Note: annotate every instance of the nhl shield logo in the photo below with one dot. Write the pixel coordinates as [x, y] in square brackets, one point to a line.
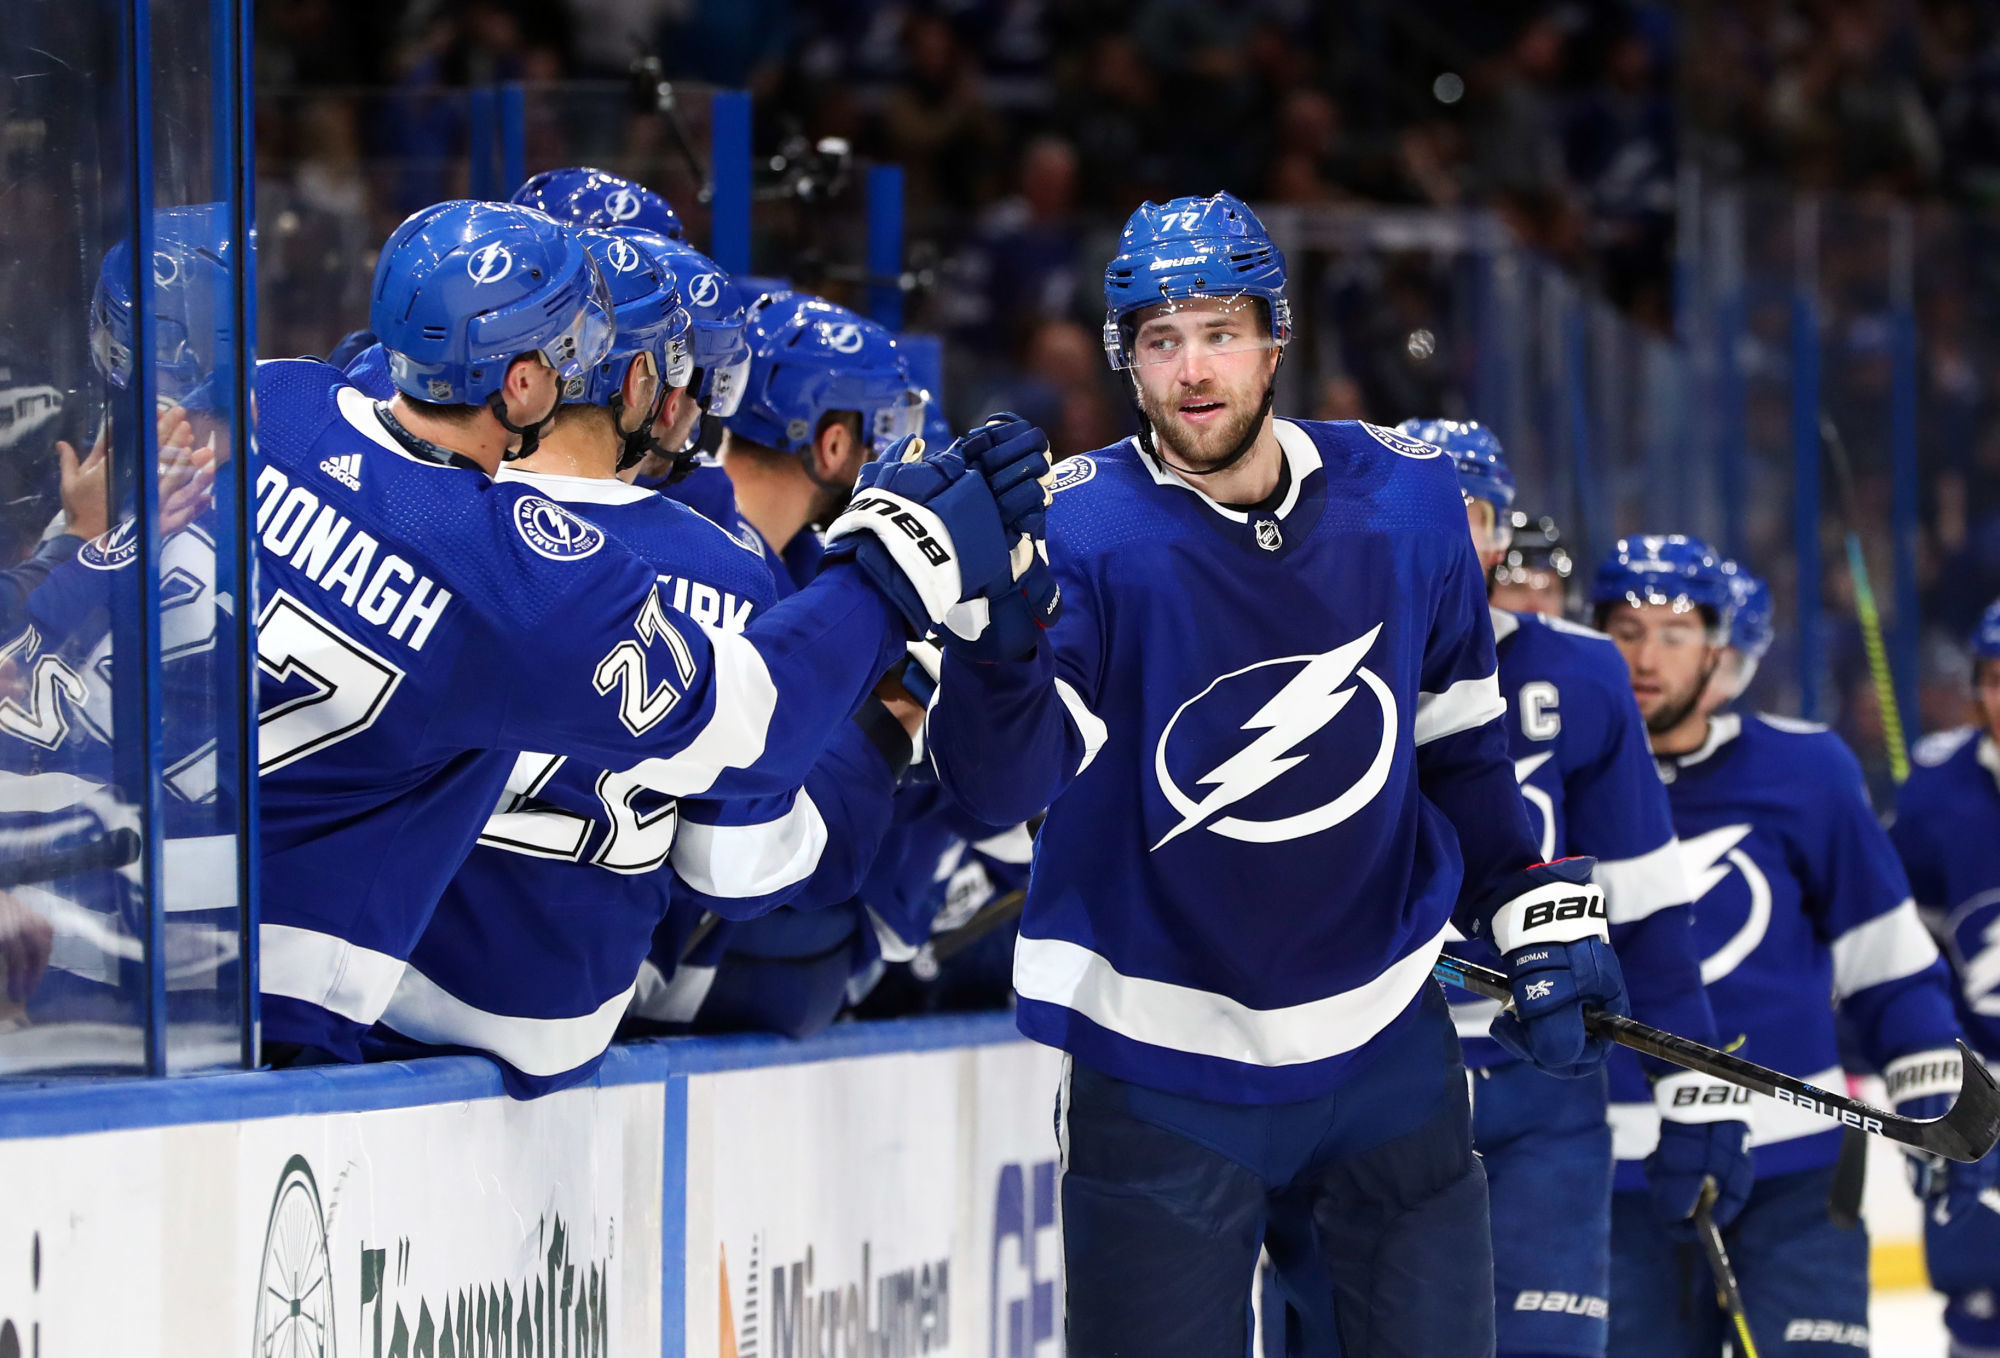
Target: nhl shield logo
[553, 531]
[1269, 536]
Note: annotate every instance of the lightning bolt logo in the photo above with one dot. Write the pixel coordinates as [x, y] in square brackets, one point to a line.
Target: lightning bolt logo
[1981, 971]
[1708, 859]
[1314, 696]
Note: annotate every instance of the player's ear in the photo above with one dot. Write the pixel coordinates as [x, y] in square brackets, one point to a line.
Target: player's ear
[640, 384]
[531, 386]
[832, 448]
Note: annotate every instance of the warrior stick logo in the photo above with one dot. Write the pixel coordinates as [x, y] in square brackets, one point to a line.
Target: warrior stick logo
[489, 263]
[1319, 692]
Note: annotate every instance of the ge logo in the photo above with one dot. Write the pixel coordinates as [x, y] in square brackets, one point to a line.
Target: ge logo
[490, 263]
[706, 290]
[622, 204]
[166, 269]
[844, 338]
[623, 255]
[553, 531]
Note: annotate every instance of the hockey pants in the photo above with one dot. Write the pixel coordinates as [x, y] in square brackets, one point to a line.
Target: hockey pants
[1369, 1200]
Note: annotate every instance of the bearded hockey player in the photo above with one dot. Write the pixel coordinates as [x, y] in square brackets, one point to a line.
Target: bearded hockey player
[1947, 829]
[1269, 734]
[1798, 898]
[419, 622]
[1580, 751]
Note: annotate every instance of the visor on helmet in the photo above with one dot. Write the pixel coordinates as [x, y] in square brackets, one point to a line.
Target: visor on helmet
[1173, 331]
[723, 387]
[901, 417]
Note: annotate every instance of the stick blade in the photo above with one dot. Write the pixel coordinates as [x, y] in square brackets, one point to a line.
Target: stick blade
[1972, 1127]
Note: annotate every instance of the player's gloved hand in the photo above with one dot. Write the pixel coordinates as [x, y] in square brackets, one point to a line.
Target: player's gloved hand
[925, 528]
[1013, 455]
[1923, 1085]
[1702, 1136]
[1550, 925]
[1962, 1225]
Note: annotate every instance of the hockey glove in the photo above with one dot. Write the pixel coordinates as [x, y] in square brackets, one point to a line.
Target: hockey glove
[1962, 1227]
[1550, 926]
[1013, 455]
[1923, 1085]
[926, 530]
[1702, 1136]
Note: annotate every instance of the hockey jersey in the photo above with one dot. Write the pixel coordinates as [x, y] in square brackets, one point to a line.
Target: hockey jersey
[1271, 746]
[1586, 772]
[1799, 898]
[1947, 830]
[419, 623]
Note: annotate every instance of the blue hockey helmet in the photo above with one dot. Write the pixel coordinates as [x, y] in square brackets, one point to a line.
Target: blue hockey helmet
[719, 343]
[1682, 572]
[1483, 473]
[587, 197]
[193, 308]
[808, 357]
[647, 314]
[463, 289]
[1192, 247]
[1986, 636]
[1750, 629]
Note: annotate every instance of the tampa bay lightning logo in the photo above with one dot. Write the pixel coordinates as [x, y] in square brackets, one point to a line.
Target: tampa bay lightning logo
[489, 263]
[1402, 443]
[113, 549]
[842, 338]
[623, 256]
[706, 290]
[554, 531]
[1072, 472]
[1251, 727]
[622, 205]
[1712, 861]
[166, 269]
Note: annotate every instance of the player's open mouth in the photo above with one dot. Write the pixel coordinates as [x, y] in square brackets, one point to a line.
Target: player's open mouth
[1201, 410]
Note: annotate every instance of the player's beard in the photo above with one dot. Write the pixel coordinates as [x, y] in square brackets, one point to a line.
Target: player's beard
[1199, 451]
[829, 503]
[1671, 714]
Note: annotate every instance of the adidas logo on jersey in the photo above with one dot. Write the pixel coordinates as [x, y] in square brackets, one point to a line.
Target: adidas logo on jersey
[345, 469]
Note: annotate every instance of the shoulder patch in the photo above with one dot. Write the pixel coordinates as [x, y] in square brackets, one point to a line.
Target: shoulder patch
[553, 531]
[1793, 725]
[113, 549]
[1401, 443]
[1072, 471]
[1935, 748]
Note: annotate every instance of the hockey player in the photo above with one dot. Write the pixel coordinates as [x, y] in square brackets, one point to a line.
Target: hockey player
[418, 620]
[1269, 735]
[1798, 897]
[1580, 751]
[1947, 829]
[825, 390]
[1532, 576]
[1750, 633]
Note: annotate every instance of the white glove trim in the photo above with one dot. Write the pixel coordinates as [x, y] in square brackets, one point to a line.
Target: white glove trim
[1688, 1096]
[917, 542]
[1558, 912]
[1923, 1073]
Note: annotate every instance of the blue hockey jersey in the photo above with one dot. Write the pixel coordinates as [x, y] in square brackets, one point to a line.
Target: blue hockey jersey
[1586, 770]
[1947, 830]
[1799, 898]
[1270, 742]
[420, 623]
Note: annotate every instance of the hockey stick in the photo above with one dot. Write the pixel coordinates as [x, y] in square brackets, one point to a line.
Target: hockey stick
[1001, 910]
[1966, 1133]
[65, 848]
[1727, 1294]
[1869, 616]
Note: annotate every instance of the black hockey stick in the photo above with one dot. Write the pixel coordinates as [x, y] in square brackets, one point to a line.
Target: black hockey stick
[65, 846]
[1727, 1294]
[1966, 1133]
[1001, 910]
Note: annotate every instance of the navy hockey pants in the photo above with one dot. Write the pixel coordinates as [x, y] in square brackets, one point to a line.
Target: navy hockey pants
[1962, 1252]
[1369, 1200]
[1804, 1279]
[1547, 1151]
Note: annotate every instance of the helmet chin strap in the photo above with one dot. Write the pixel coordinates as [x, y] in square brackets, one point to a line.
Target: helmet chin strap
[1236, 454]
[530, 433]
[635, 445]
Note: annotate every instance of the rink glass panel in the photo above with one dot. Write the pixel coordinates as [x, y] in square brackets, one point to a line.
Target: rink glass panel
[121, 698]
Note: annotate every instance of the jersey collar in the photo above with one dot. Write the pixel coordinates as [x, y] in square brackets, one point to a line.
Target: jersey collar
[1988, 756]
[1505, 624]
[1301, 459]
[1722, 728]
[372, 419]
[577, 490]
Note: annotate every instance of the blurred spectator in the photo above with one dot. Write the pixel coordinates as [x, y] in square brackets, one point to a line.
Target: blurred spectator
[1022, 263]
[937, 125]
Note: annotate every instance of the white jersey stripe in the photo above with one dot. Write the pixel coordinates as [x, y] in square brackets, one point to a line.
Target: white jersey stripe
[1887, 948]
[1183, 1018]
[743, 861]
[1637, 887]
[344, 978]
[424, 1010]
[1466, 704]
[745, 699]
[1088, 724]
